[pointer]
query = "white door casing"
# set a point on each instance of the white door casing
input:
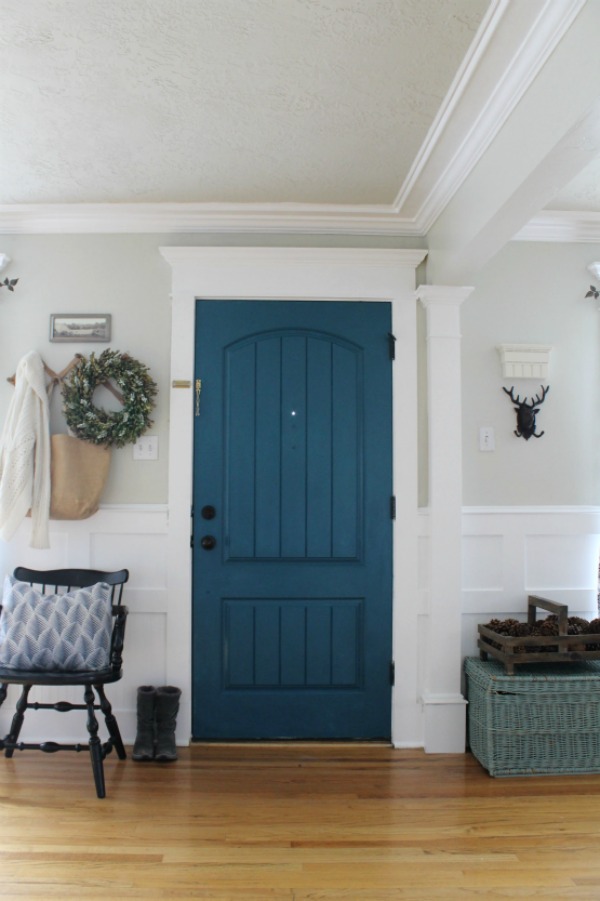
(298, 274)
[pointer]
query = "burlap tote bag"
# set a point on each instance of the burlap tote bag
(78, 469)
(78, 472)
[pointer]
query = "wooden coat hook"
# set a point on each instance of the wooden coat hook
(56, 378)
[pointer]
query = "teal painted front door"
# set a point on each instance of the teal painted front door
(292, 560)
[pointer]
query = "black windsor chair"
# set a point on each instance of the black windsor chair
(59, 581)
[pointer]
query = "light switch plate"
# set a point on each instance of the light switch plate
(486, 439)
(146, 448)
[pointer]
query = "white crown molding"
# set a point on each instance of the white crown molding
(183, 218)
(564, 227)
(455, 93)
(190, 218)
(511, 72)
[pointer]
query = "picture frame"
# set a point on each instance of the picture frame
(78, 327)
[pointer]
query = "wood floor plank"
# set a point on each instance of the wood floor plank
(295, 822)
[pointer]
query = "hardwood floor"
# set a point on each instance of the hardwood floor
(297, 822)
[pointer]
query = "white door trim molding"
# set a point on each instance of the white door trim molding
(298, 274)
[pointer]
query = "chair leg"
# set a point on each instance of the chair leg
(95, 743)
(17, 721)
(111, 723)
(3, 693)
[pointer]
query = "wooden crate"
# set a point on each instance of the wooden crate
(536, 648)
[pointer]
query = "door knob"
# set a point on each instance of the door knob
(208, 542)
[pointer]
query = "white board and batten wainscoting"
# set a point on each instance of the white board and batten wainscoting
(511, 552)
(508, 552)
(116, 537)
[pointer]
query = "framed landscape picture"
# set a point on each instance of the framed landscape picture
(80, 327)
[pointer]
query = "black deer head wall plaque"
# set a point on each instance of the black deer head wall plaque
(526, 413)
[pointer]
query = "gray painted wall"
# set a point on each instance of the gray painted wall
(530, 293)
(533, 293)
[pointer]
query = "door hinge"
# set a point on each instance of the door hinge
(192, 526)
(393, 506)
(392, 673)
(392, 345)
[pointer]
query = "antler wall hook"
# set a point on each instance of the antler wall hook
(526, 413)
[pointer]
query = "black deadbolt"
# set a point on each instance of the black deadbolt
(208, 542)
(208, 512)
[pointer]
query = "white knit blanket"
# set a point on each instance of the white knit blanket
(25, 454)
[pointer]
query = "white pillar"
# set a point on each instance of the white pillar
(443, 703)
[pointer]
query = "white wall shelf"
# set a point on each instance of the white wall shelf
(524, 361)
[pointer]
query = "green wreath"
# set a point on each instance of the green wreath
(137, 393)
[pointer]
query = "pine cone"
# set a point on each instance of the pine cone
(577, 625)
(593, 629)
(503, 626)
(546, 627)
(510, 627)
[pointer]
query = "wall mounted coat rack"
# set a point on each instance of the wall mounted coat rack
(526, 413)
(57, 378)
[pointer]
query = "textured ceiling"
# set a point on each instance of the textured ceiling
(307, 101)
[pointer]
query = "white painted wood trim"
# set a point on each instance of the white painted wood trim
(302, 274)
(117, 536)
(553, 226)
(507, 552)
(444, 728)
(511, 73)
(524, 361)
(575, 227)
(511, 552)
(201, 218)
(186, 261)
(534, 510)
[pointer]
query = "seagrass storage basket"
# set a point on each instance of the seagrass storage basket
(545, 719)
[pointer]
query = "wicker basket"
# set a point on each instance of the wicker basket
(543, 720)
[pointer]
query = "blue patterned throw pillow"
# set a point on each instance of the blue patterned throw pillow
(68, 632)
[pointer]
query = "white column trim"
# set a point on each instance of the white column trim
(444, 706)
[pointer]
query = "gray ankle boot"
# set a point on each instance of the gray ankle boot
(143, 748)
(167, 705)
